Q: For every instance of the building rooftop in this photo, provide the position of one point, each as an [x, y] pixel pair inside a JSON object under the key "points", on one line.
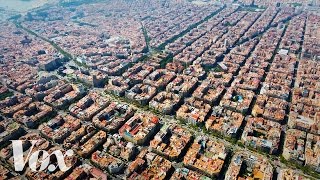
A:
{"points": [[262, 134], [206, 156], [171, 141], [246, 165]]}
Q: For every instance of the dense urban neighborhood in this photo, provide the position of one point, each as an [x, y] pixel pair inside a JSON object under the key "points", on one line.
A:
{"points": [[164, 89]]}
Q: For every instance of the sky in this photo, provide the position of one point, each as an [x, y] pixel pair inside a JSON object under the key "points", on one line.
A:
{"points": [[22, 5]]}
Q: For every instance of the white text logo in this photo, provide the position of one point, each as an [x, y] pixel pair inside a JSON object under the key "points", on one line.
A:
{"points": [[20, 162]]}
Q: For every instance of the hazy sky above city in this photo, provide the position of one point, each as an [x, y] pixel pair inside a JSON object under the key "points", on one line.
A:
{"points": [[22, 5]]}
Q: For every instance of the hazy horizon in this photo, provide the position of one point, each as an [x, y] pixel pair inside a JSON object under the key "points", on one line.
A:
{"points": [[22, 5]]}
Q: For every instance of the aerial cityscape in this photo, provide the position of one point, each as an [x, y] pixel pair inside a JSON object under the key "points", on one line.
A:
{"points": [[160, 89]]}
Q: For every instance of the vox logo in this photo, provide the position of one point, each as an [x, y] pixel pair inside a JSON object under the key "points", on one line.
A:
{"points": [[41, 157]]}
